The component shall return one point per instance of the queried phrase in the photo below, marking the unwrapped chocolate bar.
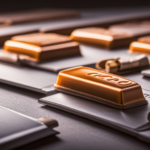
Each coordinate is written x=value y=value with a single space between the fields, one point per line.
x=142 y=45
x=114 y=37
x=101 y=87
x=43 y=46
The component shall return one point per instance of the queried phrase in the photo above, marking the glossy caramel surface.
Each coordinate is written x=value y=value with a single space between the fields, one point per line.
x=96 y=35
x=139 y=47
x=100 y=84
x=22 y=48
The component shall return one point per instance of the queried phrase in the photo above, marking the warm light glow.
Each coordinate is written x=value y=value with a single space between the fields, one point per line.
x=141 y=45
x=91 y=82
x=92 y=35
x=13 y=44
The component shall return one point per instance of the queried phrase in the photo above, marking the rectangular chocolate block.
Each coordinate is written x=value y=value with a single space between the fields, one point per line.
x=101 y=37
x=101 y=87
x=38 y=15
x=43 y=47
x=142 y=45
x=114 y=37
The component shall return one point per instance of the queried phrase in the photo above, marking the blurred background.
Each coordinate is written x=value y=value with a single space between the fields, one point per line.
x=15 y=5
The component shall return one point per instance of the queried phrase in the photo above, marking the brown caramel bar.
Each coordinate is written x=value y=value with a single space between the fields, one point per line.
x=99 y=36
x=142 y=45
x=114 y=37
x=101 y=87
x=43 y=47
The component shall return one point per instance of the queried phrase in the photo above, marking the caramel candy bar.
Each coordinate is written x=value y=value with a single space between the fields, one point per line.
x=43 y=47
x=101 y=87
x=99 y=36
x=142 y=45
x=114 y=37
x=38 y=15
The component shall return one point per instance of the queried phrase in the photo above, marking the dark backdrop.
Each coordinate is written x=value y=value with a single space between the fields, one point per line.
x=14 y=5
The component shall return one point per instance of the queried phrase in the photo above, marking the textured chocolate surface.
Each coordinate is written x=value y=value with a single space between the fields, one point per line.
x=42 y=39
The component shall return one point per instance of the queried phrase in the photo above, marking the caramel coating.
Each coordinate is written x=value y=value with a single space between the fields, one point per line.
x=99 y=84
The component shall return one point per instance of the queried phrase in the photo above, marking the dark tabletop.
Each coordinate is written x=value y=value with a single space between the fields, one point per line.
x=75 y=132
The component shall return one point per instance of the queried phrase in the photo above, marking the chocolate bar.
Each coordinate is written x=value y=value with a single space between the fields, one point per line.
x=38 y=15
x=142 y=45
x=101 y=87
x=43 y=47
x=114 y=37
